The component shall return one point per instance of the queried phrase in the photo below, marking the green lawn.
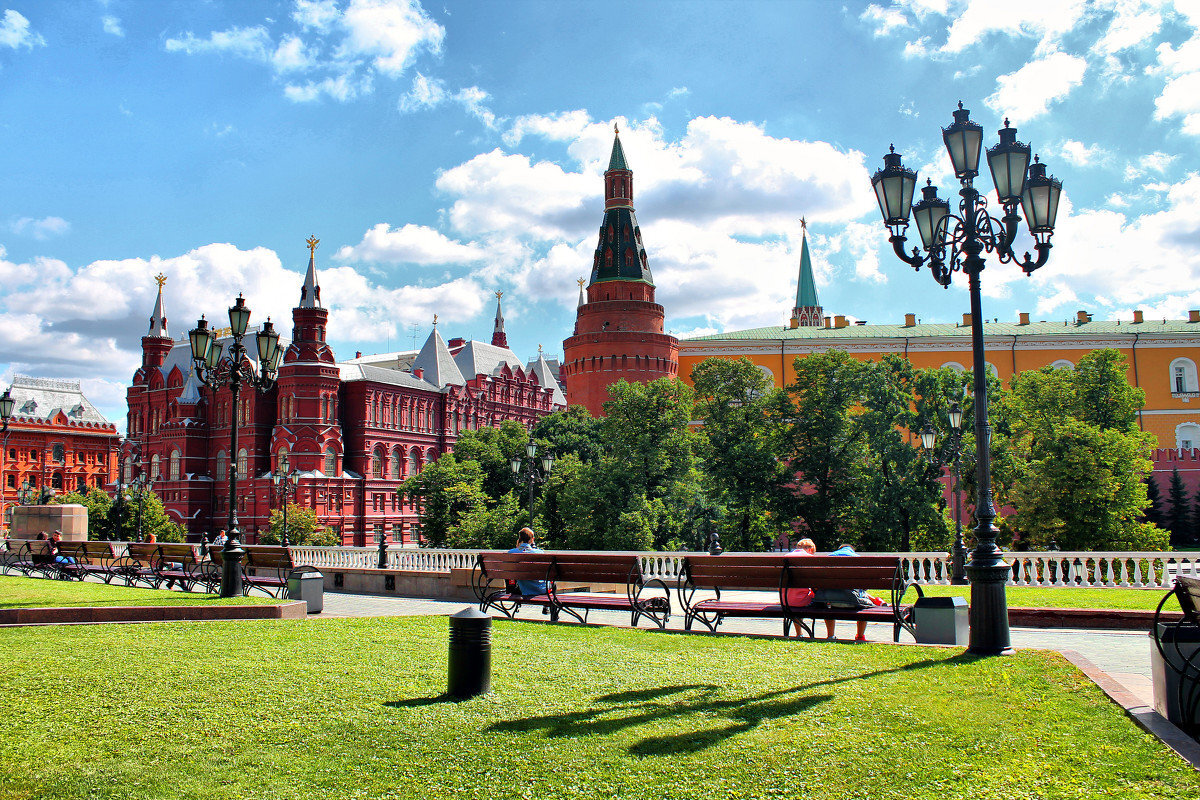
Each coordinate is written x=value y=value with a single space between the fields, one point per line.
x=1022 y=597
x=351 y=708
x=21 y=592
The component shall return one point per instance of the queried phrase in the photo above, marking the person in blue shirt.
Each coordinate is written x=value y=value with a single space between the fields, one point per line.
x=845 y=598
x=525 y=544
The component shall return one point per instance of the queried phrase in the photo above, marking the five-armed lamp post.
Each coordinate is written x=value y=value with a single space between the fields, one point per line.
x=6 y=412
x=956 y=243
x=950 y=453
x=232 y=370
x=285 y=488
x=532 y=476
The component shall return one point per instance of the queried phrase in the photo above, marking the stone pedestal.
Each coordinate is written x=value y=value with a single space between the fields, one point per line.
x=29 y=521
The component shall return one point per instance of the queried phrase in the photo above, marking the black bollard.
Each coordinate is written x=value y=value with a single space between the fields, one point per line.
x=470 y=666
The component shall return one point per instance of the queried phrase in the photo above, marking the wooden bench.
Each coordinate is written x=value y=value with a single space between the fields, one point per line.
x=703 y=578
x=137 y=565
x=180 y=563
x=265 y=567
x=91 y=558
x=495 y=572
x=28 y=556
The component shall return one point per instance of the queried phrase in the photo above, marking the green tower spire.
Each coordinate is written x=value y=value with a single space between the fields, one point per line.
x=808 y=311
x=617 y=159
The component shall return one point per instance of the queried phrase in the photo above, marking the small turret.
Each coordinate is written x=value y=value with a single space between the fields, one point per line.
x=156 y=344
x=310 y=292
x=808 y=311
x=158 y=317
x=499 y=338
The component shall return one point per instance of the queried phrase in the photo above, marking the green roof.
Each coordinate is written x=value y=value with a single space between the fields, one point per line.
x=806 y=290
x=617 y=159
x=945 y=330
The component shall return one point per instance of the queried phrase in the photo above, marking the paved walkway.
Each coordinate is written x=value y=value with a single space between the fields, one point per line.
x=1124 y=655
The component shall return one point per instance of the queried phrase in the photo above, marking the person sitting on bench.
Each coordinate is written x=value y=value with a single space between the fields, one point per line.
x=845 y=598
x=525 y=544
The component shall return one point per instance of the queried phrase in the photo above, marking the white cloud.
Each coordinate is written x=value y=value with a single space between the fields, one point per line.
x=338 y=87
x=678 y=91
x=1180 y=96
x=425 y=93
x=1080 y=154
x=253 y=42
x=392 y=32
x=316 y=14
x=15 y=32
x=41 y=229
x=1042 y=19
x=411 y=244
x=884 y=20
x=1156 y=162
x=1028 y=92
x=1132 y=24
x=559 y=127
x=291 y=55
x=112 y=25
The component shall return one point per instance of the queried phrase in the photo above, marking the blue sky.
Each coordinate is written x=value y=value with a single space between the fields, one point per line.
x=442 y=152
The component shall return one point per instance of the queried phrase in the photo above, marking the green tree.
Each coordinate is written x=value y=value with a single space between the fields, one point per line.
x=302 y=528
x=572 y=431
x=646 y=430
x=824 y=445
x=1178 y=517
x=741 y=447
x=1079 y=463
x=1154 y=511
x=449 y=490
x=493 y=449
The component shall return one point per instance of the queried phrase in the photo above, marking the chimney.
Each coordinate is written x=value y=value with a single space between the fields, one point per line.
x=1024 y=318
x=839 y=321
x=1137 y=317
x=910 y=320
x=966 y=320
x=828 y=322
x=1194 y=316
x=358 y=353
x=457 y=341
x=418 y=373
x=1082 y=317
x=794 y=323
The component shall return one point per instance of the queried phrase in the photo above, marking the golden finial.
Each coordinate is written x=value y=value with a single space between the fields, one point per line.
x=435 y=320
x=312 y=243
x=160 y=279
x=616 y=130
x=580 y=282
x=499 y=295
x=539 y=349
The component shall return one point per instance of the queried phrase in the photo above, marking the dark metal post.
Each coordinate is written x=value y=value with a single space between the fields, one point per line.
x=284 y=537
x=469 y=671
x=958 y=556
x=139 y=485
x=232 y=553
x=383 y=549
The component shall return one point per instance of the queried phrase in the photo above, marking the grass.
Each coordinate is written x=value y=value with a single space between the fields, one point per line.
x=352 y=708
x=20 y=592
x=1025 y=597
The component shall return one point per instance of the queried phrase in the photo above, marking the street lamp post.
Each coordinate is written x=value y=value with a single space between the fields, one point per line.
x=285 y=488
x=951 y=452
x=532 y=476
x=956 y=243
x=6 y=412
x=214 y=372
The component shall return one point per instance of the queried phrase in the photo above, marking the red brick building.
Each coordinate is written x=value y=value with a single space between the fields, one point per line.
x=57 y=439
x=618 y=327
x=354 y=430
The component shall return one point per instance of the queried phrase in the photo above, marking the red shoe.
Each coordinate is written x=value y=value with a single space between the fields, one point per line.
x=860 y=638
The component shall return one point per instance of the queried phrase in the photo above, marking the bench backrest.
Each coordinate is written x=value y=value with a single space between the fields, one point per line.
x=31 y=546
x=142 y=551
x=90 y=552
x=773 y=571
x=599 y=567
x=268 y=557
x=503 y=566
x=177 y=553
x=1187 y=590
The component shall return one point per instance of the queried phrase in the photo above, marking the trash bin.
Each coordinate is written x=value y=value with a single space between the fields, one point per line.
x=1180 y=644
x=942 y=620
x=308 y=586
x=469 y=671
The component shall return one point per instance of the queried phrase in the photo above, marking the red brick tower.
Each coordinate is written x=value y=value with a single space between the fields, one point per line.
x=619 y=329
x=307 y=434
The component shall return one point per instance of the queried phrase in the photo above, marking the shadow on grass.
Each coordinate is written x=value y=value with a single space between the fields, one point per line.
x=612 y=713
x=418 y=702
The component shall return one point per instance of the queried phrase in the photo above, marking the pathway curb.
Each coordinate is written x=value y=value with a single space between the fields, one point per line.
x=90 y=615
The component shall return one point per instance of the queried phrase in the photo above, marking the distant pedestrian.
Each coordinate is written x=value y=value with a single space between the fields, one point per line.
x=219 y=540
x=526 y=544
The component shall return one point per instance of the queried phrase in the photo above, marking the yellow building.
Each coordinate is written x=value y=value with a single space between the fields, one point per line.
x=1162 y=354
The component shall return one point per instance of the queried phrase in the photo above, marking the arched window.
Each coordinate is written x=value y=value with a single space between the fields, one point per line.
x=127 y=472
x=377 y=464
x=243 y=464
x=1187 y=436
x=396 y=462
x=414 y=461
x=1183 y=376
x=282 y=465
x=330 y=463
x=174 y=466
x=1062 y=363
x=154 y=467
x=222 y=466
x=954 y=365
x=430 y=456
x=56 y=480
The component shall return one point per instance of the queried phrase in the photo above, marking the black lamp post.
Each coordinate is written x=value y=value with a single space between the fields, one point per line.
x=532 y=476
x=950 y=453
x=25 y=493
x=957 y=242
x=6 y=412
x=232 y=370
x=285 y=488
x=141 y=484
